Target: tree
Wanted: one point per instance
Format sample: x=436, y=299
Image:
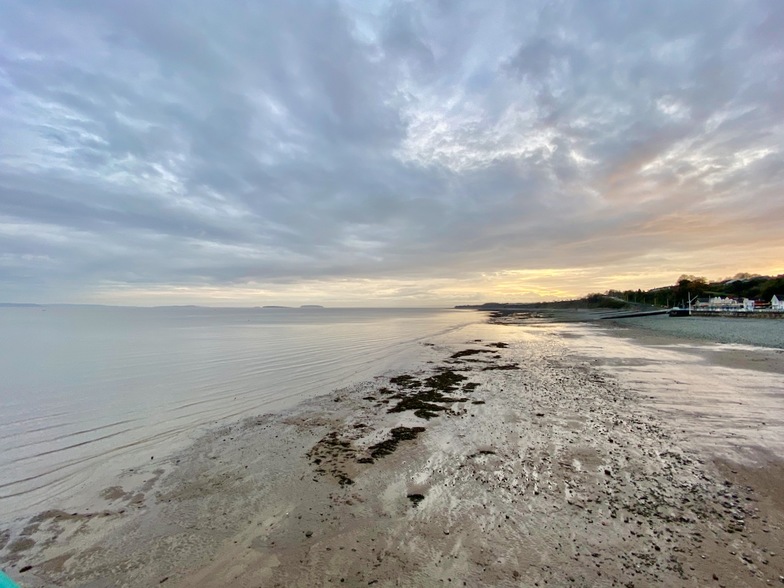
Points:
x=771, y=287
x=689, y=286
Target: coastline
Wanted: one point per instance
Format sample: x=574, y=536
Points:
x=546, y=468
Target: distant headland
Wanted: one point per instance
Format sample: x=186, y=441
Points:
x=305, y=306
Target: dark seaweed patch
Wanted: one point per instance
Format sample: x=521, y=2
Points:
x=405, y=381
x=424, y=403
x=499, y=345
x=508, y=366
x=398, y=434
x=446, y=381
x=482, y=452
x=467, y=352
x=415, y=498
x=427, y=402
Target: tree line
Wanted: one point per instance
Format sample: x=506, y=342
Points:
x=744, y=285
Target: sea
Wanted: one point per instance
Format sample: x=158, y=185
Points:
x=86, y=391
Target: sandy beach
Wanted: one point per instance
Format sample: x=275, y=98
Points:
x=524, y=455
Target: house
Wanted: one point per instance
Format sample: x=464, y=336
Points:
x=777, y=302
x=724, y=303
x=748, y=305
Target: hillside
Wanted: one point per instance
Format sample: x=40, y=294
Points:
x=740, y=286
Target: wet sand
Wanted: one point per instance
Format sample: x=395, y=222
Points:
x=519, y=456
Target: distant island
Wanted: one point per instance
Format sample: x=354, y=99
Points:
x=272, y=306
x=590, y=301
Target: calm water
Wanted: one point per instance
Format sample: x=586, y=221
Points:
x=89, y=390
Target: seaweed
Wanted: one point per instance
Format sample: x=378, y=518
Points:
x=508, y=366
x=427, y=402
x=405, y=381
x=388, y=446
x=424, y=403
x=415, y=498
x=445, y=381
x=467, y=352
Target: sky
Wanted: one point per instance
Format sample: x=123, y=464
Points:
x=385, y=153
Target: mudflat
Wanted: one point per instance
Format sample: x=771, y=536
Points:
x=521, y=457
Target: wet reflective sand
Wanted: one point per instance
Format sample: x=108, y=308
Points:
x=729, y=397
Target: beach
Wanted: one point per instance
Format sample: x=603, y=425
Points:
x=526, y=454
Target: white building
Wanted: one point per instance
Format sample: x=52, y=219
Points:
x=777, y=302
x=724, y=303
x=748, y=305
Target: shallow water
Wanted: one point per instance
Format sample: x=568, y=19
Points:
x=728, y=398
x=88, y=391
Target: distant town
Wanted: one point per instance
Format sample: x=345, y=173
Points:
x=743, y=295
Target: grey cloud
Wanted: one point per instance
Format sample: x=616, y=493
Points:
x=199, y=143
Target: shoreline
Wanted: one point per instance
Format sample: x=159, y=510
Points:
x=526, y=464
x=90, y=393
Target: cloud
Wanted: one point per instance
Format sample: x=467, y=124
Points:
x=203, y=147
